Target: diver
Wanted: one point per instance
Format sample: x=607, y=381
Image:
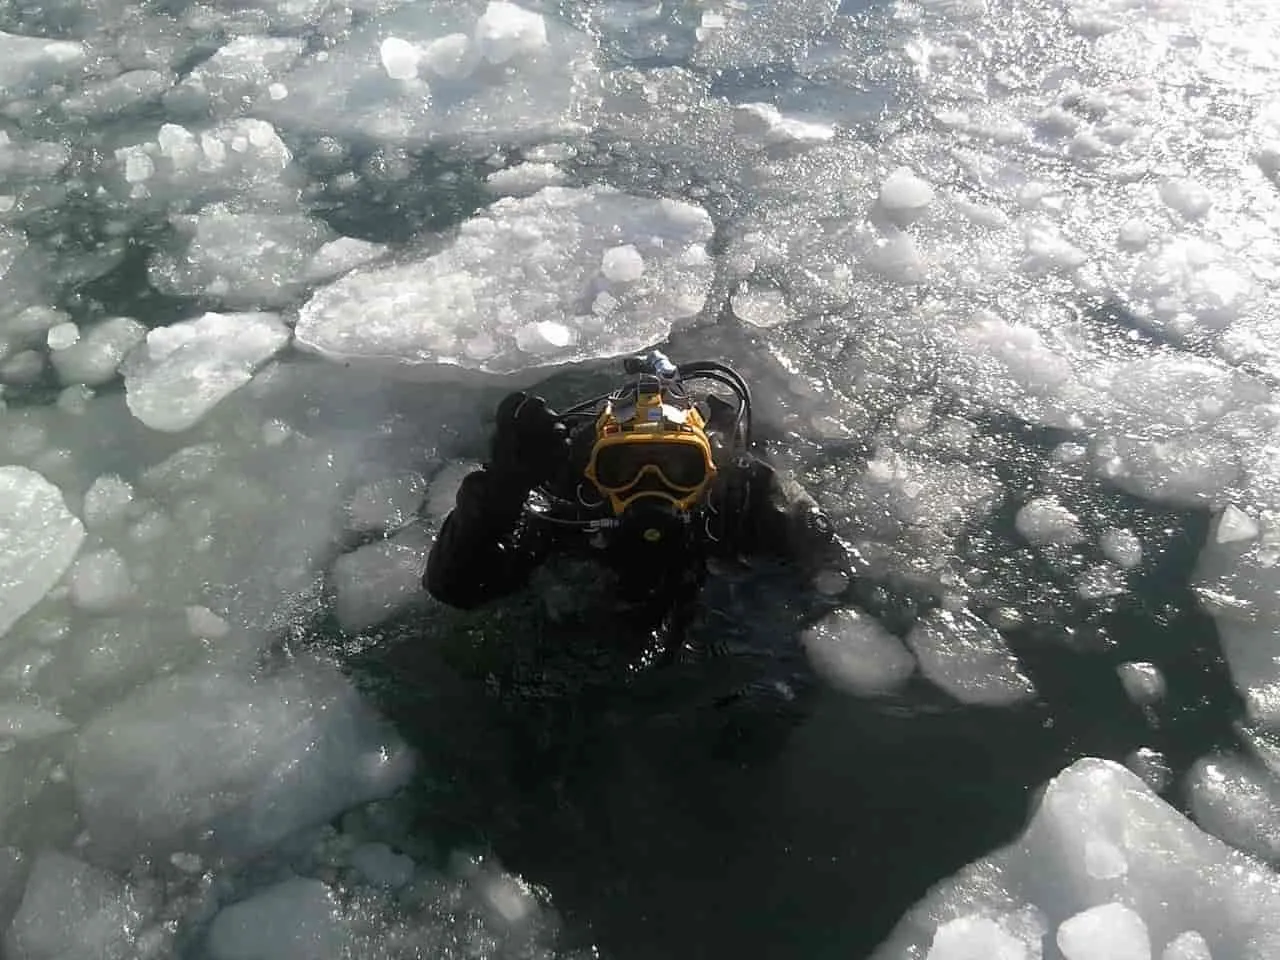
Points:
x=651, y=482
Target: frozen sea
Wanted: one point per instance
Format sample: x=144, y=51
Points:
x=1003, y=275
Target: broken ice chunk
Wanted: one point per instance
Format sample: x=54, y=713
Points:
x=516, y=289
x=28, y=64
x=853, y=652
x=1121, y=547
x=763, y=308
x=235, y=73
x=378, y=581
x=241, y=259
x=976, y=938
x=1235, y=525
x=524, y=179
x=1044, y=521
x=188, y=368
x=100, y=581
x=106, y=501
x=1187, y=946
x=1229, y=898
x=386, y=503
x=63, y=336
x=507, y=76
x=71, y=909
x=297, y=919
x=399, y=58
x=96, y=355
x=213, y=762
x=622, y=264
x=22, y=721
x=1187, y=197
x=1143, y=682
x=1111, y=931
x=968, y=659
x=39, y=538
x=766, y=124
x=505, y=31
x=904, y=196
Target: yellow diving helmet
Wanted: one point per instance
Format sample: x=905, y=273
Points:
x=651, y=442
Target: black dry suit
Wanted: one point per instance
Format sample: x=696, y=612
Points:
x=498, y=534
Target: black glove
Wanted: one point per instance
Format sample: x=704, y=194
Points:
x=529, y=444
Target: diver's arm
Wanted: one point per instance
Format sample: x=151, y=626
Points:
x=474, y=558
x=781, y=519
x=784, y=521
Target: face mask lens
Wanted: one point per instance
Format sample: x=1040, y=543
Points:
x=619, y=465
x=683, y=464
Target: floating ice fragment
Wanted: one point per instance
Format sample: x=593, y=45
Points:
x=853, y=652
x=904, y=196
x=379, y=580
x=96, y=355
x=1134, y=235
x=28, y=64
x=1235, y=525
x=1187, y=197
x=399, y=58
x=22, y=721
x=622, y=264
x=762, y=308
x=976, y=938
x=1143, y=682
x=100, y=581
x=767, y=125
x=71, y=909
x=1208, y=886
x=1111, y=931
x=381, y=865
x=203, y=622
x=340, y=256
x=1044, y=520
x=896, y=258
x=188, y=368
x=505, y=31
x=449, y=57
x=386, y=503
x=968, y=659
x=1121, y=547
x=1104, y=860
x=211, y=762
x=63, y=336
x=524, y=179
x=297, y=919
x=1187, y=946
x=39, y=538
x=520, y=280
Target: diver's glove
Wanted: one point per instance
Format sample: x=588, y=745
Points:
x=529, y=444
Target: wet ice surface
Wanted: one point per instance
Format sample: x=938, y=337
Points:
x=1003, y=290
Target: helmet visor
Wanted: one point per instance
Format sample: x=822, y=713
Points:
x=682, y=466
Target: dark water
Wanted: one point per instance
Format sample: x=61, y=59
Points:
x=667, y=820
